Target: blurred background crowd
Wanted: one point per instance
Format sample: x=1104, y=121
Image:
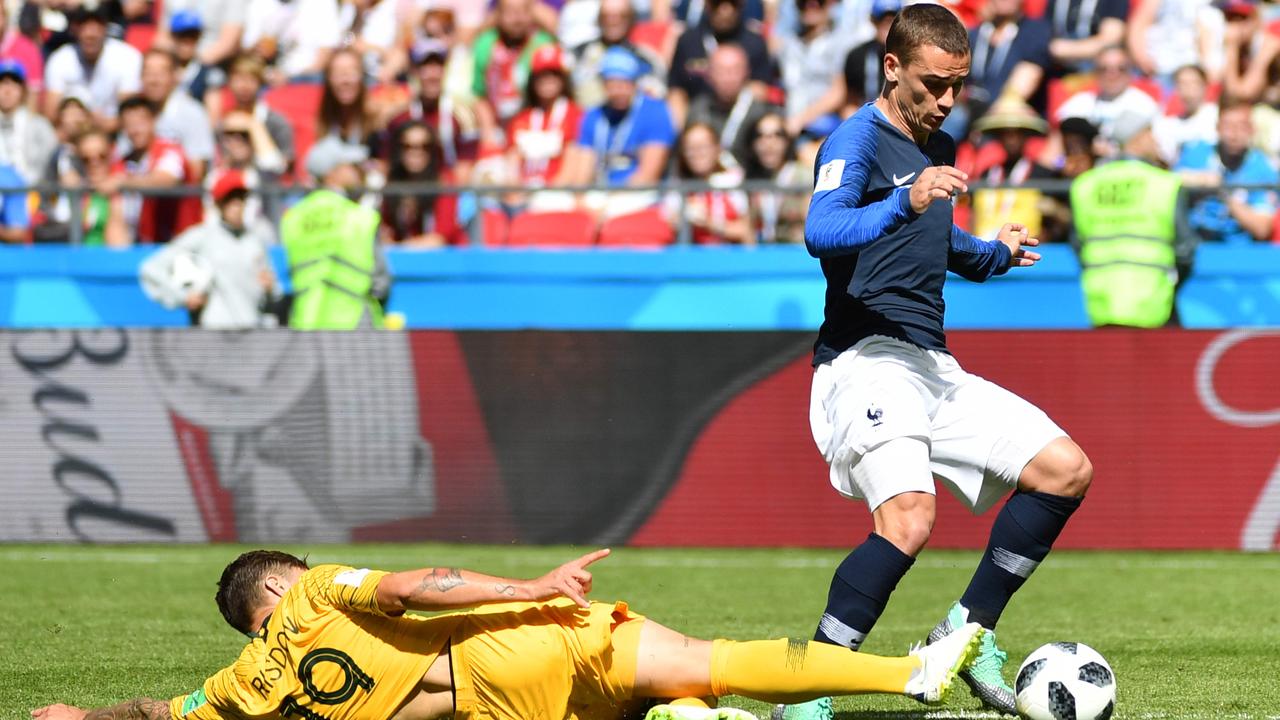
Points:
x=506, y=122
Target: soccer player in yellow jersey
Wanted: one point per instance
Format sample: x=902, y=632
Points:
x=334, y=643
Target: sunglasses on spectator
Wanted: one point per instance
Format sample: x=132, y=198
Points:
x=415, y=146
x=780, y=134
x=1113, y=68
x=242, y=134
x=95, y=158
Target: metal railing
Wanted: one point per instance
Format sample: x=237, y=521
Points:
x=281, y=195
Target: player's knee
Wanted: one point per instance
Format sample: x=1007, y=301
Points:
x=908, y=529
x=1064, y=469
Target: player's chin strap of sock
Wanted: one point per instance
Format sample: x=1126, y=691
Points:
x=790, y=671
x=859, y=591
x=1021, y=537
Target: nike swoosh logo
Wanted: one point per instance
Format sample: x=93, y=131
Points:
x=900, y=180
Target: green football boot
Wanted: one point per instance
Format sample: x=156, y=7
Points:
x=985, y=676
x=819, y=709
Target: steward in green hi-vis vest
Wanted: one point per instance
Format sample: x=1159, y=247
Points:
x=1126, y=219
x=331, y=244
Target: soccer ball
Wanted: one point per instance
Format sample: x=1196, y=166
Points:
x=1065, y=681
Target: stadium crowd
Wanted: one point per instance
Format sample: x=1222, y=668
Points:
x=542, y=112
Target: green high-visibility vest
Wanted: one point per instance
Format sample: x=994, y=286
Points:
x=1125, y=218
x=330, y=241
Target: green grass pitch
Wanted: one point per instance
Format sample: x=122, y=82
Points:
x=1190, y=635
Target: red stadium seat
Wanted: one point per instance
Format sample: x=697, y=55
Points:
x=299, y=103
x=494, y=228
x=646, y=228
x=556, y=229
x=140, y=36
x=652, y=35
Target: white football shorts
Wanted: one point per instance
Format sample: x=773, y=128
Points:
x=979, y=436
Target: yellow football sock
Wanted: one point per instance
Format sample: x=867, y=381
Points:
x=788, y=671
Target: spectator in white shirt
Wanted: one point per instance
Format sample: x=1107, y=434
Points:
x=27, y=140
x=99, y=70
x=1196, y=119
x=297, y=36
x=181, y=119
x=1115, y=95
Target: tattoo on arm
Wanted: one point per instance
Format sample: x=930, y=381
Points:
x=507, y=590
x=442, y=580
x=140, y=709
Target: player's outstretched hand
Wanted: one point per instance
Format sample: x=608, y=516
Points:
x=58, y=712
x=1016, y=238
x=571, y=579
x=939, y=182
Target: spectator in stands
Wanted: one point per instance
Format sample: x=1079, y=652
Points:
x=1231, y=161
x=418, y=220
x=1115, y=94
x=777, y=216
x=218, y=28
x=1250, y=51
x=1082, y=30
x=436, y=24
x=369, y=27
x=453, y=127
x=151, y=163
x=730, y=108
x=102, y=210
x=244, y=82
x=219, y=270
x=15, y=220
x=616, y=19
x=1163, y=36
x=864, y=65
x=1196, y=119
x=194, y=78
x=338, y=273
x=99, y=70
x=71, y=120
x=18, y=47
x=295, y=38
x=545, y=129
x=1011, y=124
x=502, y=56
x=810, y=65
x=721, y=24
x=27, y=140
x=1010, y=56
x=624, y=142
x=691, y=13
x=182, y=119
x=717, y=215
x=346, y=112
x=245, y=147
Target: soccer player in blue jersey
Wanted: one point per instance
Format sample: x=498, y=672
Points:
x=891, y=410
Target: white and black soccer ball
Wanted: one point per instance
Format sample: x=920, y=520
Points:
x=1065, y=681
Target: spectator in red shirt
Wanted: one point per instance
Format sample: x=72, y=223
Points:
x=151, y=163
x=717, y=215
x=458, y=143
x=548, y=125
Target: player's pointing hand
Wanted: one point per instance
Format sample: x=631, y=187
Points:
x=939, y=182
x=571, y=579
x=1017, y=239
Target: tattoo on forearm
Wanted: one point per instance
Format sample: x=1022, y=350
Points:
x=442, y=580
x=140, y=709
x=507, y=590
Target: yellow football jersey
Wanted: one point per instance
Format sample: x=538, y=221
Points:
x=327, y=653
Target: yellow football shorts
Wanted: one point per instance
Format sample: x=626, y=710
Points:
x=545, y=661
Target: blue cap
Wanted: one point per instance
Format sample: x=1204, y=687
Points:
x=880, y=8
x=620, y=64
x=185, y=21
x=14, y=69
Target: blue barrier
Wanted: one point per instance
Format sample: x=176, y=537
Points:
x=693, y=288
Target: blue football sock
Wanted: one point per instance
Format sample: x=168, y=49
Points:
x=859, y=591
x=1021, y=537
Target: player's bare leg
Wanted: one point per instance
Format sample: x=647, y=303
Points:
x=906, y=520
x=1050, y=489
x=671, y=664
